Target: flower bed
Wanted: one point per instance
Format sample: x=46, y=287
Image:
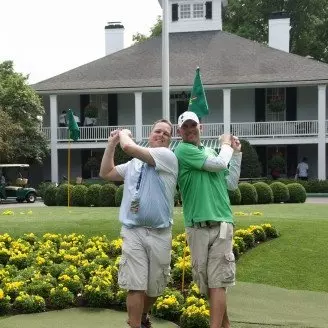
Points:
x=60, y=271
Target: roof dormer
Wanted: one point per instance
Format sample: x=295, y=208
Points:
x=195, y=15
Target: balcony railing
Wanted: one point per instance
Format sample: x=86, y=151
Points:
x=209, y=130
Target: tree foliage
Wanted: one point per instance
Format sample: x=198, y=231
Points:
x=155, y=30
x=309, y=22
x=21, y=139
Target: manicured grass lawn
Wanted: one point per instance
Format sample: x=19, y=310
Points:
x=296, y=260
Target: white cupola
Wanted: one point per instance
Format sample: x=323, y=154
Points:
x=195, y=15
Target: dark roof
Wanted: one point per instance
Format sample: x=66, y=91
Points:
x=223, y=58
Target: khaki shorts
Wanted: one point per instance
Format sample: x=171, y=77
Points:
x=213, y=262
x=145, y=261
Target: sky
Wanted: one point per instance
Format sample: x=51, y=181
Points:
x=45, y=37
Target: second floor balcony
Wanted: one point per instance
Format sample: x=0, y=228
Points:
x=246, y=130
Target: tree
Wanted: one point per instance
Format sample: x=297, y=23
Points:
x=309, y=21
x=8, y=134
x=21, y=139
x=155, y=30
x=250, y=165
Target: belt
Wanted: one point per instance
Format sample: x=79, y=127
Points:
x=206, y=224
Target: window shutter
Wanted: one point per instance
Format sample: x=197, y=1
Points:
x=259, y=105
x=175, y=15
x=291, y=104
x=208, y=5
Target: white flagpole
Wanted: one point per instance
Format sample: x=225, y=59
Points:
x=165, y=62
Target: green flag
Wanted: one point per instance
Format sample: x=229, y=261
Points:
x=198, y=102
x=73, y=128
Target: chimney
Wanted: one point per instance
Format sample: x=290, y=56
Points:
x=114, y=37
x=279, y=26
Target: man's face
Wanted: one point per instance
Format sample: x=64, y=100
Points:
x=160, y=136
x=190, y=132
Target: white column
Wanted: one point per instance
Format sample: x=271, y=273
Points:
x=165, y=62
x=322, y=132
x=53, y=140
x=138, y=115
x=226, y=110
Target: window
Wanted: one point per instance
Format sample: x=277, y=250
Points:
x=185, y=11
x=189, y=11
x=275, y=104
x=198, y=10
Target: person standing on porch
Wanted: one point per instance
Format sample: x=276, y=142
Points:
x=302, y=169
x=146, y=214
x=204, y=177
x=62, y=119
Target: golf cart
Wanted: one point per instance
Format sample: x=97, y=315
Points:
x=17, y=189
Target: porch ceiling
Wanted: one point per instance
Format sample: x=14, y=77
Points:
x=224, y=59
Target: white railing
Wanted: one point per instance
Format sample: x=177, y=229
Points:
x=47, y=132
x=93, y=133
x=209, y=130
x=275, y=129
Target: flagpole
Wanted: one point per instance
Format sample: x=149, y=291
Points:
x=165, y=62
x=68, y=168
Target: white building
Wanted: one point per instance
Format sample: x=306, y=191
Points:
x=241, y=78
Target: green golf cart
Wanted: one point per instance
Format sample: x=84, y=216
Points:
x=13, y=185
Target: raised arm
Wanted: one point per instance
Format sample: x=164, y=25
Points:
x=107, y=168
x=132, y=149
x=235, y=165
x=220, y=162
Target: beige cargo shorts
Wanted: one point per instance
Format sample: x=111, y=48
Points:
x=213, y=262
x=145, y=261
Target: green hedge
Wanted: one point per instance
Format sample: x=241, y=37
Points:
x=234, y=196
x=79, y=193
x=264, y=193
x=92, y=197
x=49, y=196
x=280, y=192
x=62, y=195
x=119, y=195
x=248, y=193
x=107, y=195
x=297, y=193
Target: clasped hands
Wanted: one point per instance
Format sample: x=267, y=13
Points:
x=230, y=140
x=114, y=137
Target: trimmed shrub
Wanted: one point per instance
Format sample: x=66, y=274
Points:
x=270, y=231
x=49, y=196
x=119, y=195
x=247, y=237
x=239, y=241
x=62, y=195
x=250, y=165
x=234, y=196
x=248, y=193
x=264, y=193
x=107, y=195
x=258, y=233
x=297, y=193
x=280, y=192
x=92, y=197
x=43, y=186
x=79, y=195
